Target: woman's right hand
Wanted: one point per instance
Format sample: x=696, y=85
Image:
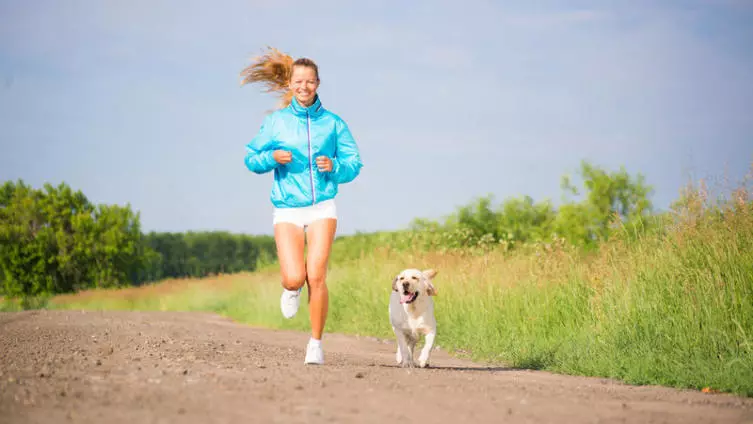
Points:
x=282, y=156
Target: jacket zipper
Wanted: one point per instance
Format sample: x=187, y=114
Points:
x=311, y=167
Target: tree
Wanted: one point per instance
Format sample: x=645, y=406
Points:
x=198, y=254
x=609, y=199
x=54, y=241
x=523, y=220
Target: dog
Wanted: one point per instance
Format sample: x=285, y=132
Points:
x=411, y=312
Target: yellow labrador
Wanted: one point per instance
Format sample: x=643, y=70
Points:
x=412, y=314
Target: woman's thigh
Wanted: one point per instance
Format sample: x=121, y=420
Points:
x=320, y=236
x=290, y=240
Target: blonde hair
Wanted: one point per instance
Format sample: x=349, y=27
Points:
x=274, y=70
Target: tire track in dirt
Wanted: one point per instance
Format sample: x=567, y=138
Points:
x=161, y=367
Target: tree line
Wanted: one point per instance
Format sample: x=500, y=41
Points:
x=593, y=206
x=54, y=240
x=596, y=205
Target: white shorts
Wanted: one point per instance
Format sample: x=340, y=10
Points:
x=305, y=215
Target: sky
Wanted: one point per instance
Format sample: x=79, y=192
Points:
x=139, y=103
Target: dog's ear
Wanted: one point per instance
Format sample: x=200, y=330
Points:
x=429, y=273
x=394, y=284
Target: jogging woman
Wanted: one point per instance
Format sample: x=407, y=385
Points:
x=311, y=151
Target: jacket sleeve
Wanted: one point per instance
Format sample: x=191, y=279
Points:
x=346, y=165
x=259, y=151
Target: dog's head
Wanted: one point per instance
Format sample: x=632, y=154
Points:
x=412, y=283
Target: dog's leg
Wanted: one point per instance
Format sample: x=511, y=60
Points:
x=411, y=339
x=398, y=355
x=423, y=360
x=404, y=353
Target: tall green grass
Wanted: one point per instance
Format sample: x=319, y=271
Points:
x=672, y=307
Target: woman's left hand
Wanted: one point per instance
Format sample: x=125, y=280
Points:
x=324, y=164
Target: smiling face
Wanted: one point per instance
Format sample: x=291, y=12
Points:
x=413, y=283
x=304, y=82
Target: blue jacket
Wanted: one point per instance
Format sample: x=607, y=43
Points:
x=307, y=132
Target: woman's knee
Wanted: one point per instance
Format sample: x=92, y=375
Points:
x=293, y=280
x=316, y=280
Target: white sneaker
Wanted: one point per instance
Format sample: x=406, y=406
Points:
x=289, y=302
x=314, y=354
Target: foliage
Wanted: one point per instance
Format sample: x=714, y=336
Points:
x=609, y=198
x=200, y=254
x=611, y=202
x=54, y=240
x=671, y=306
x=598, y=286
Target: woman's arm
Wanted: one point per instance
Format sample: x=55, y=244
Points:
x=259, y=155
x=346, y=165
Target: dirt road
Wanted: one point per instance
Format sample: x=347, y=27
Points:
x=119, y=367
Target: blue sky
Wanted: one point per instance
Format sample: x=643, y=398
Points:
x=138, y=102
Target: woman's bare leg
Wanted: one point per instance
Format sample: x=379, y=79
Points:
x=290, y=240
x=321, y=234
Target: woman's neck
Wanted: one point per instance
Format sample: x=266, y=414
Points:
x=307, y=104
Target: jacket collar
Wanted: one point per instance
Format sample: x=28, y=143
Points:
x=314, y=110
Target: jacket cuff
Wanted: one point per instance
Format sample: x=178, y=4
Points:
x=269, y=159
x=335, y=166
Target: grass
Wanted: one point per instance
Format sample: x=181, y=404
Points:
x=16, y=305
x=671, y=307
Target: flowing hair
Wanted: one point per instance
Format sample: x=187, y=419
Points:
x=274, y=70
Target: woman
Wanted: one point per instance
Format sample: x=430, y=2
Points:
x=311, y=151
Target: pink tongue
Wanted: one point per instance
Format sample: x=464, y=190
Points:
x=405, y=297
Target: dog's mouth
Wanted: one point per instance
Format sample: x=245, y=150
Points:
x=408, y=297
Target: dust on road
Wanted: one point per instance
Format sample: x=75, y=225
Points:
x=162, y=367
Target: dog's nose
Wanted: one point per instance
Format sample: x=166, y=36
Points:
x=405, y=286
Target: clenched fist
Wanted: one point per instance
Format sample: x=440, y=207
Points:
x=282, y=156
x=324, y=164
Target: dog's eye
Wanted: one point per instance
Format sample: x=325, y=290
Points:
x=414, y=278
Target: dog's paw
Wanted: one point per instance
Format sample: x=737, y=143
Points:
x=423, y=360
x=407, y=364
